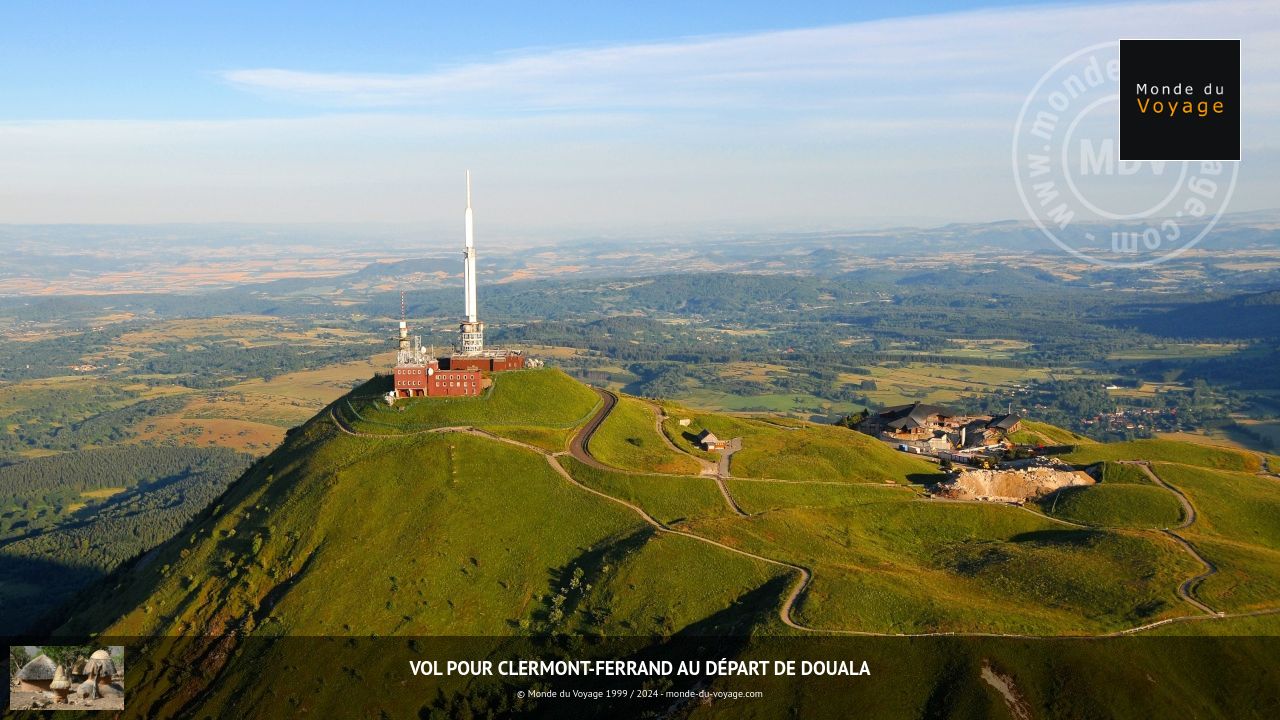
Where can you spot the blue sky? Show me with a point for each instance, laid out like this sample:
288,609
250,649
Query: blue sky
148,60
575,117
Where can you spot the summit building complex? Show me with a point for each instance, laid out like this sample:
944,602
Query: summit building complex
419,373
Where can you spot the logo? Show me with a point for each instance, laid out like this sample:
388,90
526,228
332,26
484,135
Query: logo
1082,196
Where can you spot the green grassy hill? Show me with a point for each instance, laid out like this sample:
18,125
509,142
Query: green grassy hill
627,440
367,524
1168,451
796,450
539,406
1118,505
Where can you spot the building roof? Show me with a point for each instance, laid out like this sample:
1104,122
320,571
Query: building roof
907,417
706,436
1004,422
100,661
40,668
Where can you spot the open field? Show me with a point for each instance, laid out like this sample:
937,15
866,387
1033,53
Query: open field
321,386
102,493
986,348
753,371
899,383
769,402
1147,390
1176,351
244,435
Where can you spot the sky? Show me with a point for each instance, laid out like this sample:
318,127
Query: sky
574,118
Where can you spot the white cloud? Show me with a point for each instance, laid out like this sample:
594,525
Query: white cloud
838,126
962,55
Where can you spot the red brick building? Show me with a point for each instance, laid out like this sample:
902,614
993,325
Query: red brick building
490,361
428,380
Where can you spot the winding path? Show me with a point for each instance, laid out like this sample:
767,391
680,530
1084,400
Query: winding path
578,445
579,448
705,466
722,469
1188,586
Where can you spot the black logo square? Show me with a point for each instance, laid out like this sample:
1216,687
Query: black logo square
1179,99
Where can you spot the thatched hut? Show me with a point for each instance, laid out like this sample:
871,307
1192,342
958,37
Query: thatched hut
37,675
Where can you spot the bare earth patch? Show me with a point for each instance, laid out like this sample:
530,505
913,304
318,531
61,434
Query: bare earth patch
1012,486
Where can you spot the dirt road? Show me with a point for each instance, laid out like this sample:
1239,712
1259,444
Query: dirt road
580,449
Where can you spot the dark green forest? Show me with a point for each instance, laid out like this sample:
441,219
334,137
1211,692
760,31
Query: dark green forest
49,552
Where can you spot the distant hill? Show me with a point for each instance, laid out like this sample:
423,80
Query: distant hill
1254,315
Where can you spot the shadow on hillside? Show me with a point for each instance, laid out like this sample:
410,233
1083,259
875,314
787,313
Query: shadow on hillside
588,569
33,588
746,613
1047,500
926,478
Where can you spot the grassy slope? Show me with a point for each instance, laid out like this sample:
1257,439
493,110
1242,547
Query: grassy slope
808,452
412,560
668,499
627,439
1116,505
1114,473
1166,451
544,398
884,560
1033,433
1238,529
757,496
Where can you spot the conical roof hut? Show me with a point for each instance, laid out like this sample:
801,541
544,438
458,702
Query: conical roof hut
40,670
100,661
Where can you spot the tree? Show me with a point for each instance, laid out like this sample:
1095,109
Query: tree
66,655
18,657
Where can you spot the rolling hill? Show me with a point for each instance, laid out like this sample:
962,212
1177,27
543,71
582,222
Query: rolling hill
544,513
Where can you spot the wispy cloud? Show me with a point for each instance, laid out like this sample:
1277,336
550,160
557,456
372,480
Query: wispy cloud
955,58
908,119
